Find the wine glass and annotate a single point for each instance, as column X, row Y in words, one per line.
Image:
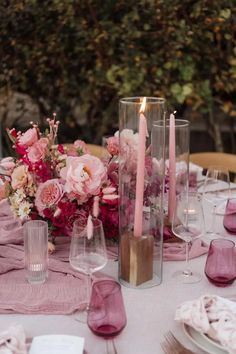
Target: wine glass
column 106, row 315
column 87, row 252
column 188, row 224
column 216, row 190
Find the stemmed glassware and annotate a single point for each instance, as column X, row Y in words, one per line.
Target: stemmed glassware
column 87, row 252
column 188, row 224
column 216, row 190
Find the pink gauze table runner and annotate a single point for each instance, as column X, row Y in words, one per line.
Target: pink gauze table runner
column 64, row 292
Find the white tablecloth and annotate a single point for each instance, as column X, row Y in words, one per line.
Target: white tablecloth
column 150, row 312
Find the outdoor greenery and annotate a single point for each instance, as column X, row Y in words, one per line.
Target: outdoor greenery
column 78, row 57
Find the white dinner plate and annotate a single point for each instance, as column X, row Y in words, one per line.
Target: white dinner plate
column 202, row 341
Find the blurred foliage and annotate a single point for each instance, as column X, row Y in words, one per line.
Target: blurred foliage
column 79, row 57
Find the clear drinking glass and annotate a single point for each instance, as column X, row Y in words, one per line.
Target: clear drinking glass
column 188, row 224
column 216, row 190
column 220, row 266
column 36, row 251
column 87, row 252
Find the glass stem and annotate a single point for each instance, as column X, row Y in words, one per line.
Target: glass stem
column 88, row 289
column 187, row 272
column 213, row 219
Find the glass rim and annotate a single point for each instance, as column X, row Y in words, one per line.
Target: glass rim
column 138, row 100
column 35, row 224
column 81, row 223
column 116, row 285
column 218, row 242
column 178, row 123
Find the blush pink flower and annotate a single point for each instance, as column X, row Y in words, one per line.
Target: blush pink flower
column 29, row 137
column 38, row 151
column 113, row 145
column 83, row 176
column 7, row 164
column 20, row 177
column 128, row 150
column 48, row 194
column 80, row 145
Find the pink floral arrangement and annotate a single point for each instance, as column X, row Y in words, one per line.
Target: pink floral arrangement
column 58, row 183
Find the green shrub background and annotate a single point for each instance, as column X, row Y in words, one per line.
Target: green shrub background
column 79, row 57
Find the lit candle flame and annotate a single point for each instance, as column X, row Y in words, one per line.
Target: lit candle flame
column 143, row 105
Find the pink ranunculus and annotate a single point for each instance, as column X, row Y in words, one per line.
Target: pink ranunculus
column 20, row 177
column 83, row 176
column 38, row 151
column 48, row 194
column 29, row 137
column 80, row 144
column 113, row 145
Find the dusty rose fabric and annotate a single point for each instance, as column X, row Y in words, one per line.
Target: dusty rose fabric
column 10, row 227
column 176, row 251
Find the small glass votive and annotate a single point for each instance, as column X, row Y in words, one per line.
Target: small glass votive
column 106, row 314
column 220, row 267
column 229, row 221
column 36, row 251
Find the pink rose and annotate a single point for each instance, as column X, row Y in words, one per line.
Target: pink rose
column 80, row 144
column 113, row 145
column 7, row 164
column 38, row 151
column 83, row 176
column 29, row 137
column 48, row 194
column 20, row 177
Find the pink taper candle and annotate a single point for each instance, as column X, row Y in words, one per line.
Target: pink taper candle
column 138, row 215
column 172, row 169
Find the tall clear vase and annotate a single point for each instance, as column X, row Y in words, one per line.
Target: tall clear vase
column 141, row 188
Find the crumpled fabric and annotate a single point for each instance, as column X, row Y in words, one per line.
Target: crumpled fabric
column 12, row 341
column 211, row 315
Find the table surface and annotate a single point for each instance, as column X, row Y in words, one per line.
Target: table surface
column 150, row 312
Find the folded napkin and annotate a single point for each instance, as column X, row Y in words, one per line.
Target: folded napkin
column 176, row 251
column 10, row 227
column 12, row 341
column 211, row 315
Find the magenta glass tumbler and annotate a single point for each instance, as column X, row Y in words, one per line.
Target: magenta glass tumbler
column 106, row 315
column 220, row 267
column 229, row 221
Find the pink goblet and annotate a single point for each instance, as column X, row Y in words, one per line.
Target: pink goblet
column 106, row 315
column 220, row 267
column 229, row 221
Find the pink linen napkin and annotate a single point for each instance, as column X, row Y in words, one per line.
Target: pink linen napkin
column 176, row 251
column 12, row 341
column 211, row 315
column 10, row 227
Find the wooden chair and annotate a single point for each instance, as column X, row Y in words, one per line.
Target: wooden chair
column 206, row 159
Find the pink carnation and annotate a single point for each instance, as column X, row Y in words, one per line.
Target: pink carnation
column 38, row 151
column 83, row 176
column 113, row 145
column 29, row 137
column 7, row 164
column 48, row 194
